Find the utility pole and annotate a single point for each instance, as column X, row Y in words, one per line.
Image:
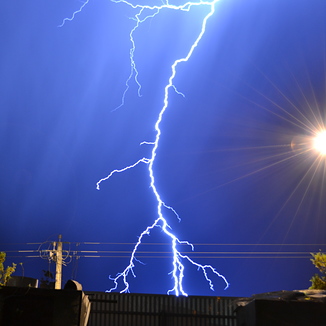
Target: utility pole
column 58, row 264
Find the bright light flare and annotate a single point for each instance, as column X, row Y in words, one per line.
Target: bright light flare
column 319, row 142
column 315, row 144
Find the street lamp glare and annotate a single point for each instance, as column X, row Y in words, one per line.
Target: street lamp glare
column 320, row 142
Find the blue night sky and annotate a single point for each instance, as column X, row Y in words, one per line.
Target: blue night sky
column 231, row 159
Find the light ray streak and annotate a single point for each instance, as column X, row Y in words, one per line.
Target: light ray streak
column 294, row 155
column 177, row 257
column 278, row 157
column 308, row 125
column 318, row 121
column 296, row 122
column 317, row 162
column 290, row 197
column 304, row 123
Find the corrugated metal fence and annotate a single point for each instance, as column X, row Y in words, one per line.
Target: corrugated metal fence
column 159, row 310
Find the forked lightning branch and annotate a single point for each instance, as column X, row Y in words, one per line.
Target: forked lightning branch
column 178, row 272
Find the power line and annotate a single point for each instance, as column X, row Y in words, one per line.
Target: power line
column 163, row 243
column 77, row 250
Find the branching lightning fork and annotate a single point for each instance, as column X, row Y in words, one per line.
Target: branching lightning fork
column 147, row 11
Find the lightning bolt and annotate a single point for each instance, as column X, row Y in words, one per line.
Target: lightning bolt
column 145, row 12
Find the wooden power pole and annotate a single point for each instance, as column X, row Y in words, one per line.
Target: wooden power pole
column 58, row 264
